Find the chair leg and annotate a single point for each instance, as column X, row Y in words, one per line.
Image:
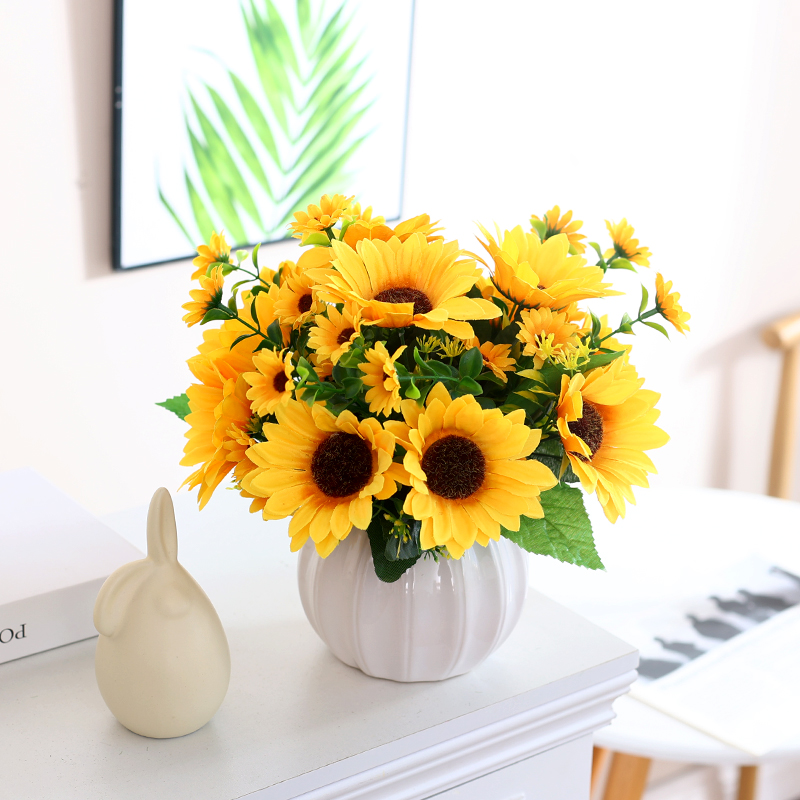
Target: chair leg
column 600, row 756
column 627, row 777
column 748, row 778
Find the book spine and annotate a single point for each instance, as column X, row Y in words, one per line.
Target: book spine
column 48, row 620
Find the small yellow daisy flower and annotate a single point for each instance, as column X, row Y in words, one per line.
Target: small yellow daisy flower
column 496, row 359
column 207, row 296
column 668, row 305
column 625, row 245
column 319, row 218
column 216, row 251
column 381, row 375
column 333, row 334
column 272, row 385
column 296, row 302
column 556, row 223
column 546, row 335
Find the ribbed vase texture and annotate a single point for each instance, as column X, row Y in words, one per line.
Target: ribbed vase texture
column 440, row 619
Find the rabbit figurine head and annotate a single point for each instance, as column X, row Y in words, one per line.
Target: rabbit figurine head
column 162, row 660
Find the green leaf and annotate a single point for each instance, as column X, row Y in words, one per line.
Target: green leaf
column 316, row 239
column 275, row 333
column 281, row 38
column 224, row 165
column 601, row 359
column 565, row 532
column 470, row 363
column 468, row 386
column 621, row 263
column 352, row 387
column 399, row 549
column 643, row 304
column 319, row 174
column 596, row 325
column 304, row 22
column 540, row 227
column 201, row 216
column 550, row 452
column 507, row 335
column 412, row 392
column 257, row 119
column 626, row 324
column 241, row 339
column 387, row 571
column 178, row 405
column 216, row 189
column 175, row 217
column 240, row 141
column 214, row 314
column 254, row 256
column 269, row 66
column 656, row 327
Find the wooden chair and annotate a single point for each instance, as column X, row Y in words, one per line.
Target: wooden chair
column 784, row 335
column 627, row 775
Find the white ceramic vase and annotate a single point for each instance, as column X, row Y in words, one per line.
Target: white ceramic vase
column 440, row 619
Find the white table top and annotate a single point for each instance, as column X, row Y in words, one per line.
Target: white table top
column 295, row 717
column 667, row 547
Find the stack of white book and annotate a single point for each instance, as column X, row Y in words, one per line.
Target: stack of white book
column 54, row 557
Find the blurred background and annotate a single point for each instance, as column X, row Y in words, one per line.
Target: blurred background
column 682, row 117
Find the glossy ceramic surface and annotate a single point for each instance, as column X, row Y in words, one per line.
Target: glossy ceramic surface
column 440, row 619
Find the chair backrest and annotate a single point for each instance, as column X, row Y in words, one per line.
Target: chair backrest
column 784, row 335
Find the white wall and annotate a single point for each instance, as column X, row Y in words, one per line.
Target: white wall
column 682, row 116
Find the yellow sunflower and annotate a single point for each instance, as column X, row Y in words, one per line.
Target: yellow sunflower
column 323, row 470
column 320, row 217
column 546, row 334
column 296, row 301
column 397, row 284
column 555, row 223
column 216, row 251
column 625, row 245
column 381, row 375
column 364, row 226
column 496, row 357
column 468, row 469
column 333, row 334
column 272, row 384
column 419, row 224
column 605, row 420
column 219, row 412
column 206, row 297
column 536, row 274
column 668, row 305
column 314, row 257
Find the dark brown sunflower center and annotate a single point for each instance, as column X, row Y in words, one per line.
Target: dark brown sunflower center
column 405, row 294
column 589, row 427
column 345, row 335
column 304, row 303
column 279, row 382
column 341, row 465
column 455, row 467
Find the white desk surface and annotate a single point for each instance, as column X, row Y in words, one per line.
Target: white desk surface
column 671, row 543
column 292, row 709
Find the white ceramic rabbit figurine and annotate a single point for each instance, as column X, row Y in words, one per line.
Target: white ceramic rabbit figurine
column 162, row 660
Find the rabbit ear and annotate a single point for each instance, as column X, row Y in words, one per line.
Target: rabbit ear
column 162, row 534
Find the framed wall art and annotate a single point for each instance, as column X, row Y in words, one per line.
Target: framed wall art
column 232, row 114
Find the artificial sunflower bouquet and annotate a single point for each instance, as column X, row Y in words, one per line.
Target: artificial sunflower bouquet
column 392, row 382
